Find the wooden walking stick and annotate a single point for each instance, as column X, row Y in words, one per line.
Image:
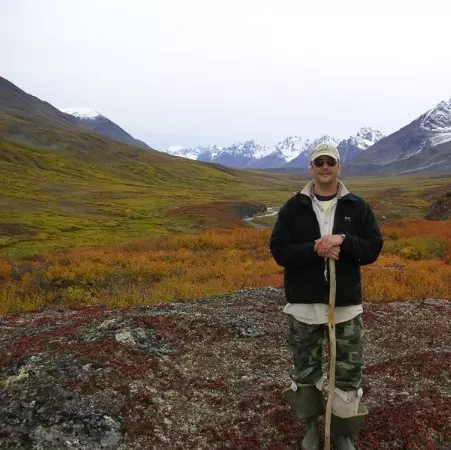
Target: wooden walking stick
column 333, row 350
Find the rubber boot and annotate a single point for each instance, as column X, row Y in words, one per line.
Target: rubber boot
column 342, row 442
column 312, row 436
column 307, row 403
column 305, row 400
column 346, row 428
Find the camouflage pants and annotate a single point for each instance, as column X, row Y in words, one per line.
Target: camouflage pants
column 306, row 343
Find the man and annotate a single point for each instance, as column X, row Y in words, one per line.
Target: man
column 324, row 221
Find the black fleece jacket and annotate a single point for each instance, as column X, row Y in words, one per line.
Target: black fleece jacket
column 292, row 246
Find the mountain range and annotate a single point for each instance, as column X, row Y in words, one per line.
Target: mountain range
column 17, row 104
column 423, row 146
column 294, row 151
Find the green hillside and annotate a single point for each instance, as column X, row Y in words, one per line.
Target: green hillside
column 64, row 185
column 60, row 188
column 83, row 189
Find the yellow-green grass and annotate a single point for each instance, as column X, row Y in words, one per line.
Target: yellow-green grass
column 82, row 189
column 391, row 197
column 400, row 197
column 67, row 197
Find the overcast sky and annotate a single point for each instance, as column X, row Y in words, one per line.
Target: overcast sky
column 187, row 72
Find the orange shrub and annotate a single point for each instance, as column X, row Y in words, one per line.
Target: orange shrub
column 214, row 262
column 393, row 278
column 440, row 230
column 5, row 271
column 417, row 227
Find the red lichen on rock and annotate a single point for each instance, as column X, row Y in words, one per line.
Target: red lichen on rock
column 209, row 374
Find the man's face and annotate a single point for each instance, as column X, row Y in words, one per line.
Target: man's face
column 325, row 170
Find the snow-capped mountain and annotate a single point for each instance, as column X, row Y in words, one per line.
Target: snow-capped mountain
column 240, row 154
column 280, row 154
column 290, row 147
column 99, row 123
column 438, row 120
column 423, row 145
column 81, row 112
column 190, row 153
column 294, row 151
column 351, row 147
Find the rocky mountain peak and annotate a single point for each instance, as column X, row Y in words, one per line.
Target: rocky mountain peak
column 101, row 124
column 326, row 138
column 290, row 147
column 82, row 112
column 437, row 118
column 251, row 148
column 354, row 145
column 369, row 134
column 365, row 137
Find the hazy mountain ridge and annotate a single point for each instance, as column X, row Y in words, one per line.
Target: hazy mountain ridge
column 424, row 145
column 15, row 102
column 27, row 109
column 293, row 151
column 101, row 124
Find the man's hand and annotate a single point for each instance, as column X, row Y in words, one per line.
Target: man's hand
column 329, row 246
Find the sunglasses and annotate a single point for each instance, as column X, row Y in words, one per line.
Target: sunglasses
column 331, row 162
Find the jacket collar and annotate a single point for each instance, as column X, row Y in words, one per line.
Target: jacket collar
column 308, row 190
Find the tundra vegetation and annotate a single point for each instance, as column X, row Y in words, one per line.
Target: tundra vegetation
column 121, row 247
column 88, row 226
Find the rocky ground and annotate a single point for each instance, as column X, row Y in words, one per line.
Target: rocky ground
column 209, row 374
